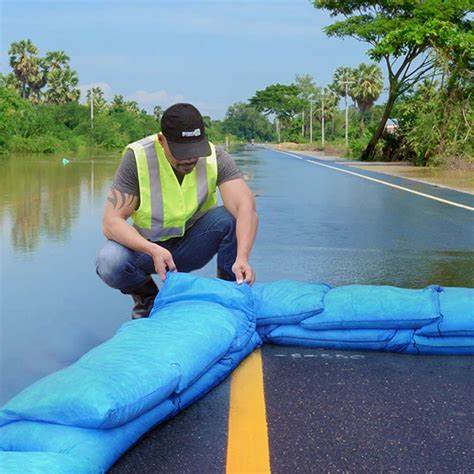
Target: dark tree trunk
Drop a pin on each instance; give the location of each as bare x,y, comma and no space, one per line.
369,153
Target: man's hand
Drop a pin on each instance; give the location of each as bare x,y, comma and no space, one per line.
162,260
243,271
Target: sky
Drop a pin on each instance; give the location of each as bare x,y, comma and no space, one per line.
210,53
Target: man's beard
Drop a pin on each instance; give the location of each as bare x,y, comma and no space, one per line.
185,169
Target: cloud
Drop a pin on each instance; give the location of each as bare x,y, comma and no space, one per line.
148,100
106,88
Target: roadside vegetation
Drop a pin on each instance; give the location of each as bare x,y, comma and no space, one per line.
421,112
40,110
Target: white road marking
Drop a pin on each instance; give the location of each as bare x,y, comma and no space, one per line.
322,355
396,186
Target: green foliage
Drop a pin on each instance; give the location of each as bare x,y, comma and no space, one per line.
157,113
435,124
278,99
246,123
33,73
367,86
47,128
99,102
404,35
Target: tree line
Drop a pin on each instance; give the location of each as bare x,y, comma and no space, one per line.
40,109
425,49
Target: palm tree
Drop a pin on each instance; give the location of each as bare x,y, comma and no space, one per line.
368,86
132,106
344,75
118,103
56,60
62,86
61,79
26,65
100,103
38,79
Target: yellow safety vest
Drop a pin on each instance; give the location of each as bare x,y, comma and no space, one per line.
167,208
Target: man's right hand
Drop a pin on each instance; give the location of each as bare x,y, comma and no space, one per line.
162,260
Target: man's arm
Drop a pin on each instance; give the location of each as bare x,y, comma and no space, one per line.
239,201
118,208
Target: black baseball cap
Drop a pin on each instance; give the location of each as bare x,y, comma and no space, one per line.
183,126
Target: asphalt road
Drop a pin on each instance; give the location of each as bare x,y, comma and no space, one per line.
327,411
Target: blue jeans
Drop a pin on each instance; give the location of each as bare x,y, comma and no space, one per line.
214,232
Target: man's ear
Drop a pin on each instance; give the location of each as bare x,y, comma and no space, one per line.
161,138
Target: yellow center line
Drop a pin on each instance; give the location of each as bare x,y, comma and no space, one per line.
247,442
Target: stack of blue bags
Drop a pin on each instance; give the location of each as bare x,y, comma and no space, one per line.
82,418
433,320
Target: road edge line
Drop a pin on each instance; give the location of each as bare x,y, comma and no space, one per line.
380,181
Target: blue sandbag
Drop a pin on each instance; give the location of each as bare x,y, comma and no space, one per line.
99,447
12,462
287,302
205,342
374,339
457,345
457,314
390,340
376,307
238,299
102,447
153,357
198,332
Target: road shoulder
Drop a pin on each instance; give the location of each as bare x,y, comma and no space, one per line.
455,180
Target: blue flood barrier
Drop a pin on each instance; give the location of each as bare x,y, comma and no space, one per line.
82,418
457,314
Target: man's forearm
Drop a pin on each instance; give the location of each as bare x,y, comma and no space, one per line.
120,231
246,230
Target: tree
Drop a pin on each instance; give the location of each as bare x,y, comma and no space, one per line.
56,60
9,81
118,103
132,106
307,91
100,103
157,113
62,86
280,100
331,102
402,34
341,76
367,86
246,123
28,68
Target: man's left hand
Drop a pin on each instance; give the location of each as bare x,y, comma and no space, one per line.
243,272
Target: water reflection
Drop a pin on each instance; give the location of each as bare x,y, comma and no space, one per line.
41,197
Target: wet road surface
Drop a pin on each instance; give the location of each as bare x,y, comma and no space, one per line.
325,412
330,411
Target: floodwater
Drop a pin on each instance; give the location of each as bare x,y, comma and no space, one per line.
315,224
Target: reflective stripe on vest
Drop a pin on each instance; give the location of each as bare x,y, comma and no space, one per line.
168,208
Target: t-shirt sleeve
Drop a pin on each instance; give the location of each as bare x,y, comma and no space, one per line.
227,170
126,176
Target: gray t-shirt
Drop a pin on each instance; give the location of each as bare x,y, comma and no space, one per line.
126,176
